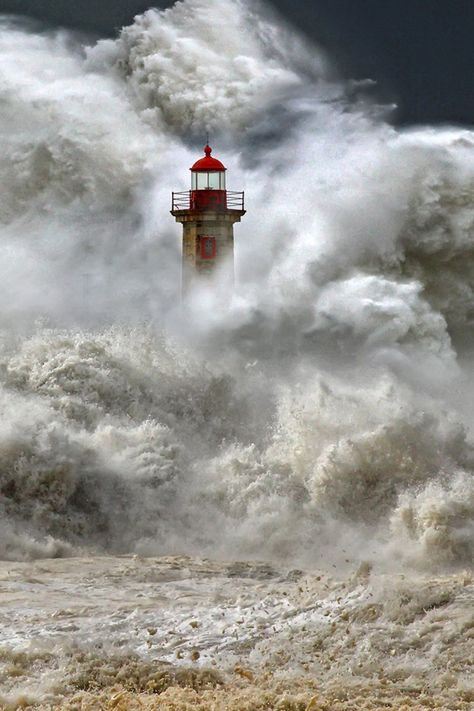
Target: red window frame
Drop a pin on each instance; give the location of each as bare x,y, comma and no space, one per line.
207,246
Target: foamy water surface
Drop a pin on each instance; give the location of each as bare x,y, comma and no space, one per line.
98,625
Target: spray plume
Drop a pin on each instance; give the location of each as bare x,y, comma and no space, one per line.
327,400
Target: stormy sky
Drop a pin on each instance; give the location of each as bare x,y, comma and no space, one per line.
420,52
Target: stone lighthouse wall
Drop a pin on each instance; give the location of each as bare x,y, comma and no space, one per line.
208,244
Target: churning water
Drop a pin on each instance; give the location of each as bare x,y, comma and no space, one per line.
318,416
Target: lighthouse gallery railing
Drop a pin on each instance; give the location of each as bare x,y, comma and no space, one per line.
182,200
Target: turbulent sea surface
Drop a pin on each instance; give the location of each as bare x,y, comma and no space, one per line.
261,499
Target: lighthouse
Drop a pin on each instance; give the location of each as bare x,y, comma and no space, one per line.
207,212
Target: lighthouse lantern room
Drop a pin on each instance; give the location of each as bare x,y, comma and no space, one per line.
207,212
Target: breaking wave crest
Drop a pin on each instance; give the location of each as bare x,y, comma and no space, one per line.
121,441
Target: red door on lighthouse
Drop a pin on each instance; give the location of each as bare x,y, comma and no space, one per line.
207,247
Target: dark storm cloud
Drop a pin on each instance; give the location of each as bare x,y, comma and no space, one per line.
100,16
420,52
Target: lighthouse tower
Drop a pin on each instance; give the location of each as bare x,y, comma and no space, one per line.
207,212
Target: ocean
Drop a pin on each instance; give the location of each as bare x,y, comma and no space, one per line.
258,497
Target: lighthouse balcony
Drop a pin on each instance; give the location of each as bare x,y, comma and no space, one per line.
207,200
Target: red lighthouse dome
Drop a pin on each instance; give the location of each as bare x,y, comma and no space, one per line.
208,163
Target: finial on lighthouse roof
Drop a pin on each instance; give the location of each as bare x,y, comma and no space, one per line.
208,163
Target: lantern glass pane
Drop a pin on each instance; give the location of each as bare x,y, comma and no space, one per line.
193,181
222,180
202,179
214,182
